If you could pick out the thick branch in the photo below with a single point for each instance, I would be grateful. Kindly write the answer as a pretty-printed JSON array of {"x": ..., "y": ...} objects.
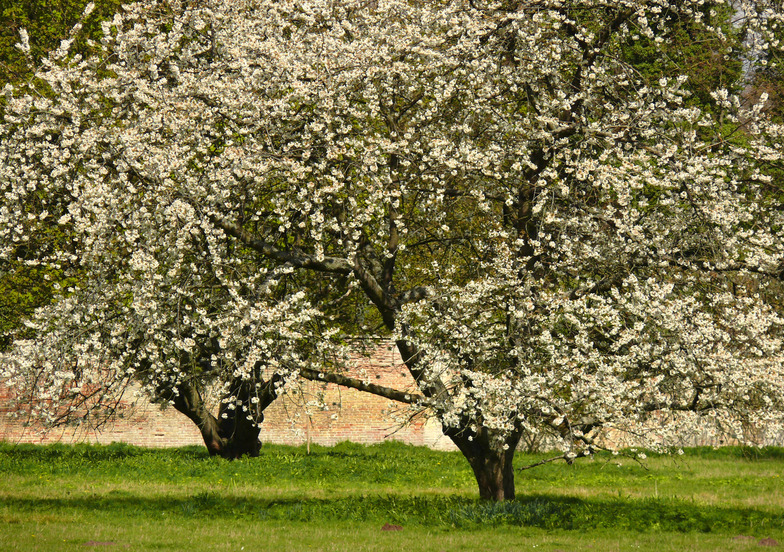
[
  {"x": 411, "y": 355},
  {"x": 345, "y": 381},
  {"x": 295, "y": 257},
  {"x": 392, "y": 245},
  {"x": 188, "y": 401},
  {"x": 382, "y": 300},
  {"x": 602, "y": 286},
  {"x": 695, "y": 406},
  {"x": 413, "y": 295},
  {"x": 590, "y": 52}
]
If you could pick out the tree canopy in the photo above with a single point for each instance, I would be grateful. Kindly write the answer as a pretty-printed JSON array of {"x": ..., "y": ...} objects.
[
  {"x": 29, "y": 30},
  {"x": 558, "y": 238}
]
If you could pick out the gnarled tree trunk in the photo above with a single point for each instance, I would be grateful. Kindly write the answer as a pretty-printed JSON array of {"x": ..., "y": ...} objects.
[
  {"x": 231, "y": 434},
  {"x": 489, "y": 452},
  {"x": 490, "y": 455}
]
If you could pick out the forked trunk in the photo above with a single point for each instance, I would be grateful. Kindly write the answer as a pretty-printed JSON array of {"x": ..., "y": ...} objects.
[
  {"x": 226, "y": 439},
  {"x": 235, "y": 432},
  {"x": 489, "y": 452},
  {"x": 490, "y": 456},
  {"x": 238, "y": 427}
]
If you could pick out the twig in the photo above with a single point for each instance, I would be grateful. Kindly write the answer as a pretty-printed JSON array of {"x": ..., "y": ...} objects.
[{"x": 542, "y": 462}]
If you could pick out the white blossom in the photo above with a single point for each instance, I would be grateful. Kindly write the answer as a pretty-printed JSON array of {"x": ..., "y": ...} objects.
[{"x": 557, "y": 244}]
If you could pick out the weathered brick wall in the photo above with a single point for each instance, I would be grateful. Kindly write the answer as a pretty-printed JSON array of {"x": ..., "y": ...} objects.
[
  {"x": 351, "y": 415},
  {"x": 348, "y": 415},
  {"x": 146, "y": 426}
]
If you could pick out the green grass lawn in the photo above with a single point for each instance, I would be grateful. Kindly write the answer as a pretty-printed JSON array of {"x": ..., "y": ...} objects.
[{"x": 125, "y": 498}]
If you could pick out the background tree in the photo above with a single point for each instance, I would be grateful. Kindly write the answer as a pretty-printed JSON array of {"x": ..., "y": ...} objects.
[
  {"x": 556, "y": 241},
  {"x": 766, "y": 75},
  {"x": 45, "y": 23},
  {"x": 29, "y": 30}
]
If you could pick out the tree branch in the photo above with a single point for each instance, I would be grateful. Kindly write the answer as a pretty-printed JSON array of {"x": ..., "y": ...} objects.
[
  {"x": 294, "y": 257},
  {"x": 354, "y": 383},
  {"x": 413, "y": 295},
  {"x": 565, "y": 457}
]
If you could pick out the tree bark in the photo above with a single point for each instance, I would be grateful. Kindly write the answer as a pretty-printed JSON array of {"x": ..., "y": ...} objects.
[
  {"x": 187, "y": 400},
  {"x": 239, "y": 435},
  {"x": 489, "y": 453},
  {"x": 490, "y": 456},
  {"x": 231, "y": 435}
]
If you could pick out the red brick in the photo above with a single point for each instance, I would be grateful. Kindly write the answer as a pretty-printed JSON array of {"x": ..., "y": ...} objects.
[{"x": 360, "y": 417}]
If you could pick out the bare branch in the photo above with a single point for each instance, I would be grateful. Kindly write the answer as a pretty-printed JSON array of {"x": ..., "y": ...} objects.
[
  {"x": 354, "y": 383},
  {"x": 294, "y": 257}
]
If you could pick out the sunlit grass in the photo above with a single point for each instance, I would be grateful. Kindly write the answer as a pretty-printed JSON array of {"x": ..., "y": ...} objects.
[{"x": 61, "y": 498}]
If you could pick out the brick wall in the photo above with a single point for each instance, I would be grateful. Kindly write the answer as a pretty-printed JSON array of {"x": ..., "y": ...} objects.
[
  {"x": 348, "y": 415},
  {"x": 351, "y": 415}
]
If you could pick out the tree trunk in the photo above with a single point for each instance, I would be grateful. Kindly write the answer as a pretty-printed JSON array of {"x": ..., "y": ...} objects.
[
  {"x": 231, "y": 435},
  {"x": 489, "y": 453},
  {"x": 492, "y": 465},
  {"x": 238, "y": 424}
]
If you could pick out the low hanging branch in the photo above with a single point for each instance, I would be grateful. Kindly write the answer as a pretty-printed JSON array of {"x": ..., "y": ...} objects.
[
  {"x": 354, "y": 383},
  {"x": 566, "y": 457}
]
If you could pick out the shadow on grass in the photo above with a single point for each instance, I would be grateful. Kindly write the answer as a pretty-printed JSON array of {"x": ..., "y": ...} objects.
[
  {"x": 115, "y": 451},
  {"x": 541, "y": 511}
]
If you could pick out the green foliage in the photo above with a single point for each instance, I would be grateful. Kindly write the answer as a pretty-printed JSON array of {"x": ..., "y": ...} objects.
[
  {"x": 23, "y": 288},
  {"x": 47, "y": 22},
  {"x": 709, "y": 59}
]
